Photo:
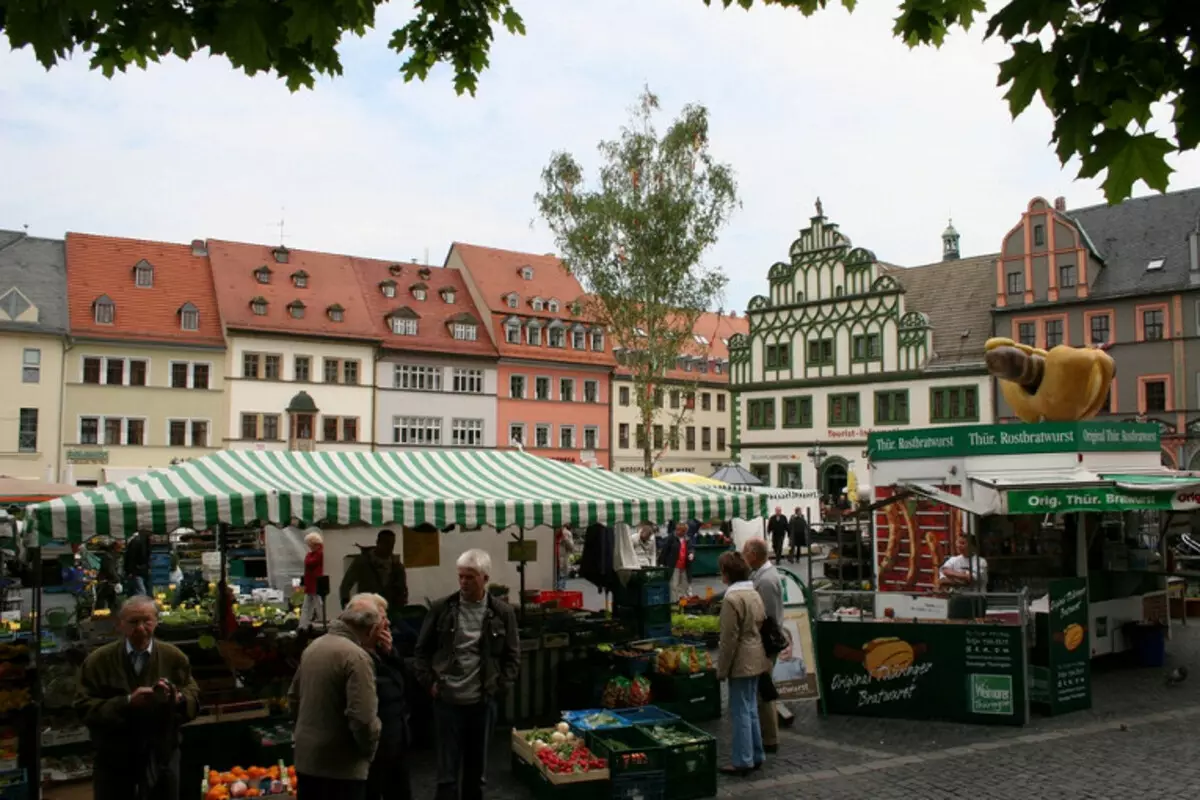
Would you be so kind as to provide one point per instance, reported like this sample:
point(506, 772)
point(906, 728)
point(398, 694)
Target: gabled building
point(302, 342)
point(692, 428)
point(33, 330)
point(435, 376)
point(843, 345)
point(555, 365)
point(143, 369)
point(1127, 276)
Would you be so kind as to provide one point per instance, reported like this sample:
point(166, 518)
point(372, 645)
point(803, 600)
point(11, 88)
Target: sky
point(894, 141)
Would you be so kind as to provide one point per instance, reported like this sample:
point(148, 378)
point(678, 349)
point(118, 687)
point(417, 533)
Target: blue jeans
point(462, 745)
point(743, 713)
point(140, 586)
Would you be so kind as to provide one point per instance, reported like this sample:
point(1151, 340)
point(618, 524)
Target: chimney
point(1060, 204)
point(1194, 248)
point(199, 247)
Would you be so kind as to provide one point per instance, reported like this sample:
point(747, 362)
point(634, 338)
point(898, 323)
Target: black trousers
point(777, 545)
point(125, 781)
point(314, 787)
point(462, 744)
point(389, 779)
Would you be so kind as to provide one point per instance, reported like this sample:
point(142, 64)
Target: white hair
point(477, 560)
point(756, 546)
point(363, 612)
point(138, 601)
point(313, 537)
point(378, 599)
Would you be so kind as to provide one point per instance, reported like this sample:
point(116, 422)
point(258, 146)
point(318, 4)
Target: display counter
point(705, 563)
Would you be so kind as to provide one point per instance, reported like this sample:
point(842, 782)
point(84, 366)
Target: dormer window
point(281, 254)
point(263, 274)
point(556, 337)
point(513, 301)
point(579, 338)
point(536, 303)
point(464, 331)
point(395, 269)
point(259, 306)
point(448, 296)
point(640, 332)
point(418, 291)
point(143, 274)
point(387, 288)
point(598, 340)
point(700, 339)
point(189, 317)
point(336, 313)
point(296, 309)
point(527, 273)
point(300, 279)
point(717, 367)
point(533, 333)
point(403, 322)
point(423, 273)
point(104, 311)
point(1155, 264)
point(552, 306)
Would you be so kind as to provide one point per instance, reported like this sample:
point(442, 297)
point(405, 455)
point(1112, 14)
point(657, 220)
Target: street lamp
point(817, 455)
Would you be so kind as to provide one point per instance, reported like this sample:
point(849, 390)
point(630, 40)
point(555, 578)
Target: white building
point(843, 345)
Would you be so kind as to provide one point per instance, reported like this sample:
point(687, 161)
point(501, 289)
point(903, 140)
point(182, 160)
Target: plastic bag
point(616, 693)
point(668, 661)
point(639, 691)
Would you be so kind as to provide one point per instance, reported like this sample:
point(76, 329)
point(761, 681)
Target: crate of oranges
point(277, 781)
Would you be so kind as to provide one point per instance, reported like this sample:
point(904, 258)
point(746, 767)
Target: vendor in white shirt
point(966, 576)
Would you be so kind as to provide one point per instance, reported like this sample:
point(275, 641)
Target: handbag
point(767, 692)
point(773, 640)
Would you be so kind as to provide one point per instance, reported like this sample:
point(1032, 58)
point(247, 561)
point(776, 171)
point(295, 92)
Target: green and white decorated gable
point(472, 488)
point(843, 345)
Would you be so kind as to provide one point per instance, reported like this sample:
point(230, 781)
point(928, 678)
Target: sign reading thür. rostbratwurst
point(985, 440)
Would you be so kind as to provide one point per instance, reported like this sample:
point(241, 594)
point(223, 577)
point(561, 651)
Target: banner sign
point(1087, 498)
point(1064, 684)
point(1007, 440)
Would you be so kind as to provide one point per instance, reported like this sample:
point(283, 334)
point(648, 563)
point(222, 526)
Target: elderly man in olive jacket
point(333, 698)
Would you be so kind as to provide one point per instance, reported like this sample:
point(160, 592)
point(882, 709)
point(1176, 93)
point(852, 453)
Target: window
point(591, 437)
point(556, 337)
point(512, 333)
point(541, 435)
point(199, 433)
point(623, 395)
point(259, 307)
point(516, 433)
point(843, 410)
point(340, 371)
point(578, 339)
point(513, 301)
point(263, 274)
point(659, 438)
point(598, 341)
point(720, 438)
point(1039, 235)
point(188, 375)
point(516, 387)
point(673, 438)
point(263, 427)
point(296, 309)
point(350, 372)
point(700, 339)
point(1027, 333)
point(658, 398)
point(1155, 264)
point(194, 433)
point(114, 371)
point(336, 313)
point(720, 402)
point(641, 437)
point(1054, 333)
point(689, 437)
point(417, 378)
point(1153, 328)
point(954, 404)
point(1066, 276)
point(891, 408)
point(541, 389)
point(417, 430)
point(404, 326)
point(527, 273)
point(789, 476)
point(448, 296)
point(533, 334)
point(465, 331)
point(302, 369)
point(387, 288)
point(135, 431)
point(27, 431)
point(797, 412)
point(640, 332)
point(300, 279)
point(566, 437)
point(92, 370)
point(706, 439)
point(466, 432)
point(591, 391)
point(264, 366)
point(177, 432)
point(705, 401)
point(89, 430)
point(779, 356)
point(468, 381)
point(674, 398)
point(418, 291)
point(270, 427)
point(552, 306)
point(566, 390)
point(339, 429)
point(820, 351)
point(761, 413)
point(189, 317)
point(31, 365)
point(1016, 282)
point(1155, 395)
point(179, 374)
point(117, 431)
point(866, 347)
point(143, 275)
point(623, 436)
point(1100, 329)
point(104, 312)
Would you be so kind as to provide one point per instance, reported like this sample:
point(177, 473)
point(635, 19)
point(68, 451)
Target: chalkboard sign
point(1062, 682)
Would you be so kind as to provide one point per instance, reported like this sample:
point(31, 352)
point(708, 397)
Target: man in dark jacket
point(677, 556)
point(137, 565)
point(799, 535)
point(377, 570)
point(467, 655)
point(389, 778)
point(779, 529)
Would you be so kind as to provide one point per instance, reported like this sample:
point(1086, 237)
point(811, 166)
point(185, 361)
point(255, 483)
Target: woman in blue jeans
point(741, 661)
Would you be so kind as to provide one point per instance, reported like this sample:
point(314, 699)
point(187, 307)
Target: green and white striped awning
point(469, 488)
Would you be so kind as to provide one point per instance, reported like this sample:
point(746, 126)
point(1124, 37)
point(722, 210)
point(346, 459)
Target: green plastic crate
point(546, 789)
point(684, 686)
point(628, 751)
point(691, 768)
point(703, 708)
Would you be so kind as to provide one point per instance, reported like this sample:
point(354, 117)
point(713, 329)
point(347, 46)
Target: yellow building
point(144, 369)
point(33, 327)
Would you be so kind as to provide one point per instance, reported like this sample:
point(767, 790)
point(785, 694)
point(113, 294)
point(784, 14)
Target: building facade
point(692, 430)
point(553, 376)
point(295, 321)
point(435, 376)
point(1124, 276)
point(33, 330)
point(842, 346)
point(143, 383)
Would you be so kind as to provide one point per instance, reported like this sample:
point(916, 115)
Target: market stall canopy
point(471, 488)
point(737, 475)
point(1055, 491)
point(771, 492)
point(690, 479)
point(20, 490)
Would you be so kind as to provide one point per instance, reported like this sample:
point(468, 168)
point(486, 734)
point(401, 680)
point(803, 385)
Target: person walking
point(564, 548)
point(677, 556)
point(333, 698)
point(313, 607)
point(798, 531)
point(137, 565)
point(377, 570)
point(134, 694)
point(778, 527)
point(388, 778)
point(769, 585)
point(645, 548)
point(740, 662)
point(467, 655)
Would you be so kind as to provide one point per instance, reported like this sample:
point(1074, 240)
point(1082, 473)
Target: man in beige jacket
point(333, 699)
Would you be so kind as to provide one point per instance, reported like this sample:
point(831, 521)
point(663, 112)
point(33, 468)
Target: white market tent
point(469, 488)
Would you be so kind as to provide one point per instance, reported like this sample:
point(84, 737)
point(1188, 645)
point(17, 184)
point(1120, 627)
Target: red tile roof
point(331, 281)
point(716, 329)
point(103, 266)
point(434, 314)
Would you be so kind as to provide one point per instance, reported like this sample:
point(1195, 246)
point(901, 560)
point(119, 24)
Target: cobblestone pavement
point(1136, 742)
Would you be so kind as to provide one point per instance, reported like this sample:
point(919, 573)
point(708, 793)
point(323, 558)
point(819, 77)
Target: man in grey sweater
point(769, 586)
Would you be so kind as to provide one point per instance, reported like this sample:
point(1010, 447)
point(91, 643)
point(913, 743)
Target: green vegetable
point(673, 736)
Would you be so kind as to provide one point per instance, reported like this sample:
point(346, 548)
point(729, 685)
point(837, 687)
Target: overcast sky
point(893, 141)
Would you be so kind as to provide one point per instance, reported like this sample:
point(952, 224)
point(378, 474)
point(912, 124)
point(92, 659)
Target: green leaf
point(1128, 159)
point(512, 21)
point(1030, 70)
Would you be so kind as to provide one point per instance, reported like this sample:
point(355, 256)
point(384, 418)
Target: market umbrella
point(691, 479)
point(736, 475)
